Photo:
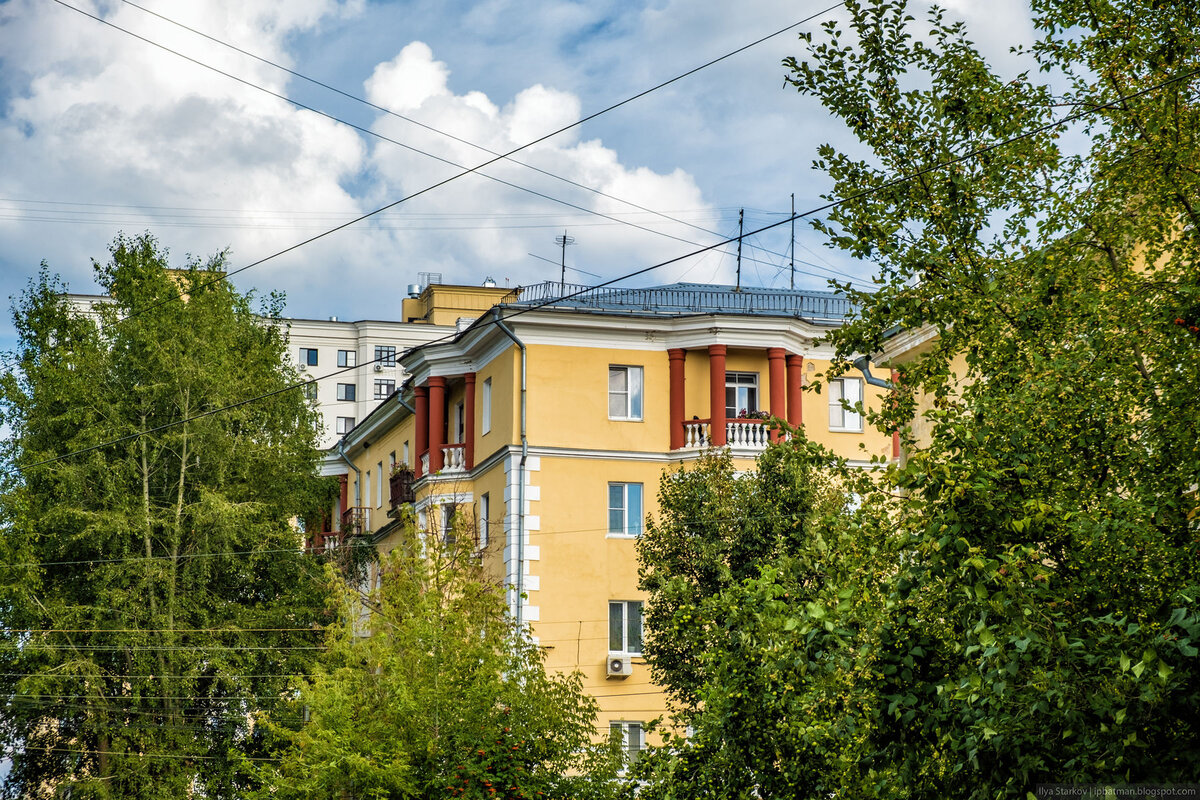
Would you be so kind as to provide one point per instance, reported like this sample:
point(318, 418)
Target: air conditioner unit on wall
point(304, 368)
point(619, 665)
point(379, 367)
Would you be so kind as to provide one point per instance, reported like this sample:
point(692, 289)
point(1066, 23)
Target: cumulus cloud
point(499, 225)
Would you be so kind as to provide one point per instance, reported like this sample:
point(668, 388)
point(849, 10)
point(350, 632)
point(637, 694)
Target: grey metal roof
point(679, 299)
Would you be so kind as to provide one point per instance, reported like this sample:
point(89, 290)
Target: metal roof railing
point(687, 299)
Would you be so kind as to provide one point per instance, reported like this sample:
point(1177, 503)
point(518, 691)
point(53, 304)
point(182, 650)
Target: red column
point(716, 394)
point(795, 382)
point(675, 357)
point(421, 394)
point(437, 422)
point(775, 362)
point(469, 413)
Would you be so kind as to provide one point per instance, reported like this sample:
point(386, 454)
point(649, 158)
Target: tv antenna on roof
point(562, 242)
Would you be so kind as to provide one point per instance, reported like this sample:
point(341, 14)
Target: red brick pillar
point(437, 422)
point(421, 394)
point(469, 423)
point(795, 383)
point(716, 394)
point(775, 366)
point(675, 358)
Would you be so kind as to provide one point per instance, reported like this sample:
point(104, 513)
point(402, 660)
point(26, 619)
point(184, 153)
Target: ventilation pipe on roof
point(863, 365)
point(521, 472)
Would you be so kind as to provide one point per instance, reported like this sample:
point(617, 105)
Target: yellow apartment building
point(550, 423)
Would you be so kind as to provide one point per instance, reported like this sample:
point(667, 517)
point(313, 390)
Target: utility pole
point(792, 252)
point(563, 241)
point(741, 219)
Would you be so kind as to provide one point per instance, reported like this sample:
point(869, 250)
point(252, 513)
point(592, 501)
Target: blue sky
point(102, 132)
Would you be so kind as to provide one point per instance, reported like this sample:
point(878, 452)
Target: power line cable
point(456, 176)
point(459, 139)
point(887, 184)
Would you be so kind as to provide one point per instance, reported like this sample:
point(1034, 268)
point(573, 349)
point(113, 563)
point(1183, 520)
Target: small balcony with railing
point(741, 434)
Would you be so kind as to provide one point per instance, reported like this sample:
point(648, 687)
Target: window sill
point(626, 419)
point(845, 430)
point(622, 536)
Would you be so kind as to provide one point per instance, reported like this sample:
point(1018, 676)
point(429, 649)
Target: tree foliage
point(428, 689)
point(154, 592)
point(1016, 602)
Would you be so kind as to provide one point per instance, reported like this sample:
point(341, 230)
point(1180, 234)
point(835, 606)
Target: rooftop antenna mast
point(792, 251)
point(741, 217)
point(563, 241)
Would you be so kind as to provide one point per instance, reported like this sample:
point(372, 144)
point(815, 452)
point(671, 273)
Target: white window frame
point(345, 396)
point(459, 433)
point(404, 454)
point(485, 511)
point(379, 487)
point(311, 390)
point(633, 738)
point(741, 382)
point(388, 383)
point(446, 515)
point(631, 399)
point(347, 358)
point(305, 360)
point(632, 522)
point(622, 609)
point(841, 419)
point(485, 404)
point(343, 425)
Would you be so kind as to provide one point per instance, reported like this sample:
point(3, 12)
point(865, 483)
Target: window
point(385, 356)
point(366, 495)
point(624, 392)
point(346, 358)
point(632, 740)
point(379, 486)
point(850, 390)
point(344, 424)
point(459, 434)
point(384, 388)
point(625, 627)
point(346, 391)
point(485, 512)
point(310, 390)
point(624, 509)
point(449, 514)
point(486, 403)
point(308, 356)
point(741, 394)
point(404, 453)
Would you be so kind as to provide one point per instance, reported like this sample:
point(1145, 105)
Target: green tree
point(1016, 603)
point(428, 689)
point(154, 593)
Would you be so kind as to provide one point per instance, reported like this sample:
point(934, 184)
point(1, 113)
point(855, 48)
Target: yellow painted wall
point(816, 416)
point(568, 399)
point(580, 569)
point(504, 370)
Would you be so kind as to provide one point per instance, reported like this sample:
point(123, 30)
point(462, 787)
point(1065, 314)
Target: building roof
point(678, 299)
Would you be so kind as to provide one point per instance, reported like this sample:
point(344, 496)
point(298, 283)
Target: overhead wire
point(886, 184)
point(459, 139)
point(445, 181)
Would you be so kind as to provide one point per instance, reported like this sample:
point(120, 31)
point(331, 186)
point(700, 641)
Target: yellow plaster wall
point(581, 568)
point(504, 370)
point(816, 416)
point(568, 399)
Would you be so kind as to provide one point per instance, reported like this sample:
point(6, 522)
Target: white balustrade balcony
point(454, 458)
point(425, 463)
point(743, 434)
point(751, 433)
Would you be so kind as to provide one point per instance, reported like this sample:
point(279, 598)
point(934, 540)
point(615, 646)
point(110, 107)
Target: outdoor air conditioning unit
point(620, 665)
point(379, 367)
point(304, 367)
